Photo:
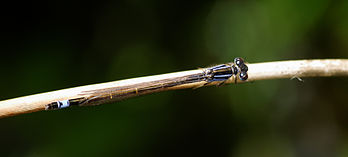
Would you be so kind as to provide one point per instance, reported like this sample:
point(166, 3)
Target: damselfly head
point(242, 68)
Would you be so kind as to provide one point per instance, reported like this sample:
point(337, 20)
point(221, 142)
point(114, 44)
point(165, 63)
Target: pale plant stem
point(257, 71)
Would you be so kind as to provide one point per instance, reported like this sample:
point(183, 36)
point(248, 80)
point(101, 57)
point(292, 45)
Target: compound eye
point(238, 61)
point(243, 76)
point(244, 68)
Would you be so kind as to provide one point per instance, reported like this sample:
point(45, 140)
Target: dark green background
point(53, 45)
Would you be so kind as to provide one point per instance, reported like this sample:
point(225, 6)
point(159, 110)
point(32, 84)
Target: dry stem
point(257, 71)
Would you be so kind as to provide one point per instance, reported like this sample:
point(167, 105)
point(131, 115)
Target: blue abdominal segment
point(64, 104)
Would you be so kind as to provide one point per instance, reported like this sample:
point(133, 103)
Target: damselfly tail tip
point(51, 106)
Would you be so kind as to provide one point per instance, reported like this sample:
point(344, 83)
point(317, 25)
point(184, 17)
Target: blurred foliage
point(59, 44)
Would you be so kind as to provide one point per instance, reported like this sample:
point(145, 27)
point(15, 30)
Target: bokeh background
point(53, 45)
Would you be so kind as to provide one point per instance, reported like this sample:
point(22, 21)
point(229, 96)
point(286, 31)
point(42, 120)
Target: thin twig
point(257, 71)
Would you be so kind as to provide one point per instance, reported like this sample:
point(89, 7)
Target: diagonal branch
point(257, 71)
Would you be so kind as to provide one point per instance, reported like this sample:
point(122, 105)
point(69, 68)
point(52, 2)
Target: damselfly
point(219, 73)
